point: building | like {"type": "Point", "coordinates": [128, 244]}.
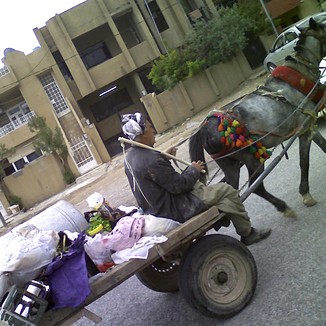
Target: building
{"type": "Point", "coordinates": [90, 68]}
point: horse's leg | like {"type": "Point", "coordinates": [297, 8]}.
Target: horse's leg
{"type": "Point", "coordinates": [319, 140]}
{"type": "Point", "coordinates": [255, 168]}
{"type": "Point", "coordinates": [304, 151]}
{"type": "Point", "coordinates": [231, 170]}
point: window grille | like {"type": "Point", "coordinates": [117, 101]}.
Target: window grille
{"type": "Point", "coordinates": [54, 94]}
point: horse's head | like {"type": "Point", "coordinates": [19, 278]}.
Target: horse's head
{"type": "Point", "coordinates": [313, 40]}
{"type": "Point", "coordinates": [309, 50]}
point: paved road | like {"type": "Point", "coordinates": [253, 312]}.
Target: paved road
{"type": "Point", "coordinates": [291, 264]}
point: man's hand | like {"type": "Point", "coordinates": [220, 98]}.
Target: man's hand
{"type": "Point", "coordinates": [199, 165]}
{"type": "Point", "coordinates": [172, 151]}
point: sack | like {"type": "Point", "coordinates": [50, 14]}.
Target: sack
{"type": "Point", "coordinates": [155, 226]}
{"type": "Point", "coordinates": [27, 251]}
{"type": "Point", "coordinates": [67, 276]}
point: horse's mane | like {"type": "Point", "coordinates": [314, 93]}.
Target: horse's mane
{"type": "Point", "coordinates": [302, 37]}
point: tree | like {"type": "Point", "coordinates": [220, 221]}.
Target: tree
{"type": "Point", "coordinates": [210, 43]}
{"type": "Point", "coordinates": [169, 69]}
{"type": "Point", "coordinates": [4, 153]}
{"type": "Point", "coordinates": [220, 38]}
{"type": "Point", "coordinates": [50, 141]}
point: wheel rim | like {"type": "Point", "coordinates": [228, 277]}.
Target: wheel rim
{"type": "Point", "coordinates": [271, 67]}
{"type": "Point", "coordinates": [224, 277]}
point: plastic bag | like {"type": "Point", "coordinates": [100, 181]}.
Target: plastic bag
{"type": "Point", "coordinates": [27, 249]}
{"type": "Point", "coordinates": [95, 200]}
{"type": "Point", "coordinates": [98, 252]}
{"type": "Point", "coordinates": [68, 277]}
{"type": "Point", "coordinates": [155, 226]}
{"type": "Point", "coordinates": [125, 234]}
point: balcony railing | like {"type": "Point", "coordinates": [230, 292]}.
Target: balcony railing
{"type": "Point", "coordinates": [8, 128]}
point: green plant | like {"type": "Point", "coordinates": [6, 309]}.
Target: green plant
{"type": "Point", "coordinates": [169, 69]}
{"type": "Point", "coordinates": [68, 177]}
{"type": "Point", "coordinates": [210, 43]}
{"type": "Point", "coordinates": [48, 140]}
{"type": "Point", "coordinates": [15, 200]}
{"type": "Point", "coordinates": [4, 152]}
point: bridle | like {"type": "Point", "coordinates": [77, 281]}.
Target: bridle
{"type": "Point", "coordinates": [309, 32]}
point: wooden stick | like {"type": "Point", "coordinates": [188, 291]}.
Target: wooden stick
{"type": "Point", "coordinates": [132, 142]}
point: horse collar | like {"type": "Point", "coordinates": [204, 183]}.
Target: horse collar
{"type": "Point", "coordinates": [298, 81]}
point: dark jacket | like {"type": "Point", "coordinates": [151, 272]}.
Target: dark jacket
{"type": "Point", "coordinates": [158, 188]}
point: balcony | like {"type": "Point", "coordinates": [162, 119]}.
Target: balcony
{"type": "Point", "coordinates": [13, 125]}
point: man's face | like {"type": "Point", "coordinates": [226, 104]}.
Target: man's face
{"type": "Point", "coordinates": [148, 137]}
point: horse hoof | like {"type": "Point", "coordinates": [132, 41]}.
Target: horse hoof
{"type": "Point", "coordinates": [289, 212]}
{"type": "Point", "coordinates": [308, 200]}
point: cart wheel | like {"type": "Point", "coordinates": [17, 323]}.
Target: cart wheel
{"type": "Point", "coordinates": [161, 276]}
{"type": "Point", "coordinates": [218, 276]}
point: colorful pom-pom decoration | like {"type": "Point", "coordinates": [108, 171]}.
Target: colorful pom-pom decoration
{"type": "Point", "coordinates": [233, 134]}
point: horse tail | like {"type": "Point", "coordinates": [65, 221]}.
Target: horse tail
{"type": "Point", "coordinates": [196, 152]}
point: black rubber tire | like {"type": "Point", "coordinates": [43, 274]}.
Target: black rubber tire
{"type": "Point", "coordinates": [218, 276]}
{"type": "Point", "coordinates": [271, 66]}
{"type": "Point", "coordinates": [161, 276]}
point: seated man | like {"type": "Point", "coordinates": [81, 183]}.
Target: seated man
{"type": "Point", "coordinates": [162, 191]}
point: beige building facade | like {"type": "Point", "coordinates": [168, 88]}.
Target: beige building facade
{"type": "Point", "coordinates": [91, 67]}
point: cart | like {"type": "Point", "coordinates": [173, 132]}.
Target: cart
{"type": "Point", "coordinates": [216, 274]}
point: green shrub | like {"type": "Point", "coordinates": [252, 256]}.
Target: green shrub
{"type": "Point", "coordinates": [68, 177]}
{"type": "Point", "coordinates": [15, 200]}
{"type": "Point", "coordinates": [210, 43]}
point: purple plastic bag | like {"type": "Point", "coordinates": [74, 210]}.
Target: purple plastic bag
{"type": "Point", "coordinates": [68, 276]}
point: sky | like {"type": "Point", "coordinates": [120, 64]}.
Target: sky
{"type": "Point", "coordinates": [19, 17]}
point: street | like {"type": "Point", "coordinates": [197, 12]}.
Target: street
{"type": "Point", "coordinates": [291, 263]}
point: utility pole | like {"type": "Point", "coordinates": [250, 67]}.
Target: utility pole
{"type": "Point", "coordinates": [269, 17]}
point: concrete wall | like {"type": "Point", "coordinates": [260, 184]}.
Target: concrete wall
{"type": "Point", "coordinates": [37, 181]}
{"type": "Point", "coordinates": [195, 94]}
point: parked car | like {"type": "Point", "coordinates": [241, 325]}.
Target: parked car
{"type": "Point", "coordinates": [286, 41]}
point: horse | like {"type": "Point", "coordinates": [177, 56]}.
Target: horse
{"type": "Point", "coordinates": [244, 131]}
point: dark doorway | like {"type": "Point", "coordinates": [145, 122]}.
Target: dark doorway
{"type": "Point", "coordinates": [113, 146]}
{"type": "Point", "coordinates": [255, 53]}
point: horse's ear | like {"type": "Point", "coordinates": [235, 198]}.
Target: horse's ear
{"type": "Point", "coordinates": [313, 24]}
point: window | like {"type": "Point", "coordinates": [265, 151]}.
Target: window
{"type": "Point", "coordinates": [17, 113]}
{"type": "Point", "coordinates": [9, 169]}
{"type": "Point", "coordinates": [289, 37]}
{"type": "Point", "coordinates": [111, 105]}
{"type": "Point", "coordinates": [128, 30]}
{"type": "Point", "coordinates": [62, 65]}
{"type": "Point", "coordinates": [279, 43]}
{"type": "Point", "coordinates": [19, 164]}
{"type": "Point", "coordinates": [158, 17]}
{"type": "Point", "coordinates": [33, 156]}
{"type": "Point", "coordinates": [95, 55]}
{"type": "Point", "coordinates": [54, 95]}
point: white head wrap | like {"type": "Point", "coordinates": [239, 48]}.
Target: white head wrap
{"type": "Point", "coordinates": [133, 125]}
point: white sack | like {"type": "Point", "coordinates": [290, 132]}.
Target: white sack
{"type": "Point", "coordinates": [155, 226]}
